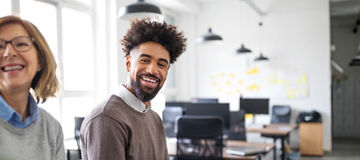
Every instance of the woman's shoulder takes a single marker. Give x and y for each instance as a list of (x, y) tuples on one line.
[(49, 120)]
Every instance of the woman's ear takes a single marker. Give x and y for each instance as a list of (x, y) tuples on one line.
[(39, 67)]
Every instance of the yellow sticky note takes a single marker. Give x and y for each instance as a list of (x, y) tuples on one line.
[(238, 91), (214, 84), (249, 116), (252, 87), (228, 83), (253, 71), (240, 82), (289, 93)]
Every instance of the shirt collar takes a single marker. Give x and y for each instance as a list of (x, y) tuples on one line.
[(8, 114), (131, 99)]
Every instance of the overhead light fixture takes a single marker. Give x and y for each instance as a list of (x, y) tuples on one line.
[(356, 60), (261, 58), (210, 36), (242, 48), (139, 10)]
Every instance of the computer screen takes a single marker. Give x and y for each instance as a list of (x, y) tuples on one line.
[(255, 105), (205, 100), (210, 109)]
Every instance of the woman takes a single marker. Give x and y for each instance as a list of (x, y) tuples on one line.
[(27, 70)]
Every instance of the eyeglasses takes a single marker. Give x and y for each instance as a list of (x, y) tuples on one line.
[(20, 44)]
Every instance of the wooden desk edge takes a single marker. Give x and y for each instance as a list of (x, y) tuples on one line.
[(273, 129)]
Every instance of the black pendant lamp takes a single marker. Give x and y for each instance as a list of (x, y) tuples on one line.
[(261, 58), (356, 61), (140, 9), (243, 50), (210, 36)]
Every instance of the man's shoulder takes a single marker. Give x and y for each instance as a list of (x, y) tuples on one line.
[(110, 108)]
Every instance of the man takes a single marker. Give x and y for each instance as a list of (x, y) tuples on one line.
[(125, 127)]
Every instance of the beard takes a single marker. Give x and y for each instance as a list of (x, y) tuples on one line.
[(139, 91)]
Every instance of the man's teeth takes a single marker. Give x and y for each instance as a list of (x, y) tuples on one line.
[(12, 68), (149, 80)]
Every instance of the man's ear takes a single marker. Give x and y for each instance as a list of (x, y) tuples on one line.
[(128, 63)]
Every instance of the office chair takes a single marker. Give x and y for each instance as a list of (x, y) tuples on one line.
[(280, 114), (237, 126), (170, 114), (199, 138), (78, 122)]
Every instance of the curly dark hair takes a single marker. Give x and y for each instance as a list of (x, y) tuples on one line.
[(165, 34)]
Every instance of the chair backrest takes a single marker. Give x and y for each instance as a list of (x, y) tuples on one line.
[(237, 128), (199, 137), (78, 122), (280, 114), (170, 114)]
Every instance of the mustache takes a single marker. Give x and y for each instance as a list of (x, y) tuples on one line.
[(149, 75)]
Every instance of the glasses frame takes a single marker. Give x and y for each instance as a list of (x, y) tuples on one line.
[(13, 45)]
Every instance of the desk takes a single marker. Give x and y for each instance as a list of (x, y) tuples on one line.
[(276, 131), (171, 145)]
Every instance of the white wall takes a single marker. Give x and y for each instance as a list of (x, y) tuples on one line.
[(295, 36)]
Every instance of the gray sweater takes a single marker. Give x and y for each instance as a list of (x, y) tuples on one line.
[(42, 140)]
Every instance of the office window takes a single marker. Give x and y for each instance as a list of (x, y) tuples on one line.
[(42, 15), (78, 49), (67, 25), (88, 2), (5, 8)]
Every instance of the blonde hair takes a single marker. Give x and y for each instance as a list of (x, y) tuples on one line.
[(45, 83)]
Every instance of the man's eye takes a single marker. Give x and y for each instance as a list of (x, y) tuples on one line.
[(144, 60), (162, 65)]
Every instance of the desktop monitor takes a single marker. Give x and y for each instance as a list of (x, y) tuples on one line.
[(205, 100), (210, 109), (255, 105), (176, 104)]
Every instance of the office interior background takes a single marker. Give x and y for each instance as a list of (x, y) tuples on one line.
[(309, 43)]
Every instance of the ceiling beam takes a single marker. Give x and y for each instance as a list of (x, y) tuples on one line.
[(253, 6)]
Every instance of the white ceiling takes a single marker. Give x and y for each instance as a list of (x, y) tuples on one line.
[(337, 7)]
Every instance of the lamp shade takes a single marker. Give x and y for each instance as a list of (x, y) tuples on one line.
[(210, 36), (140, 9), (261, 58), (243, 50)]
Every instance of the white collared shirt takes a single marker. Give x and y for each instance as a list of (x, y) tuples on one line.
[(131, 100)]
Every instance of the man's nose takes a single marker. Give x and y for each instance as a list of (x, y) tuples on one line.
[(152, 68)]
